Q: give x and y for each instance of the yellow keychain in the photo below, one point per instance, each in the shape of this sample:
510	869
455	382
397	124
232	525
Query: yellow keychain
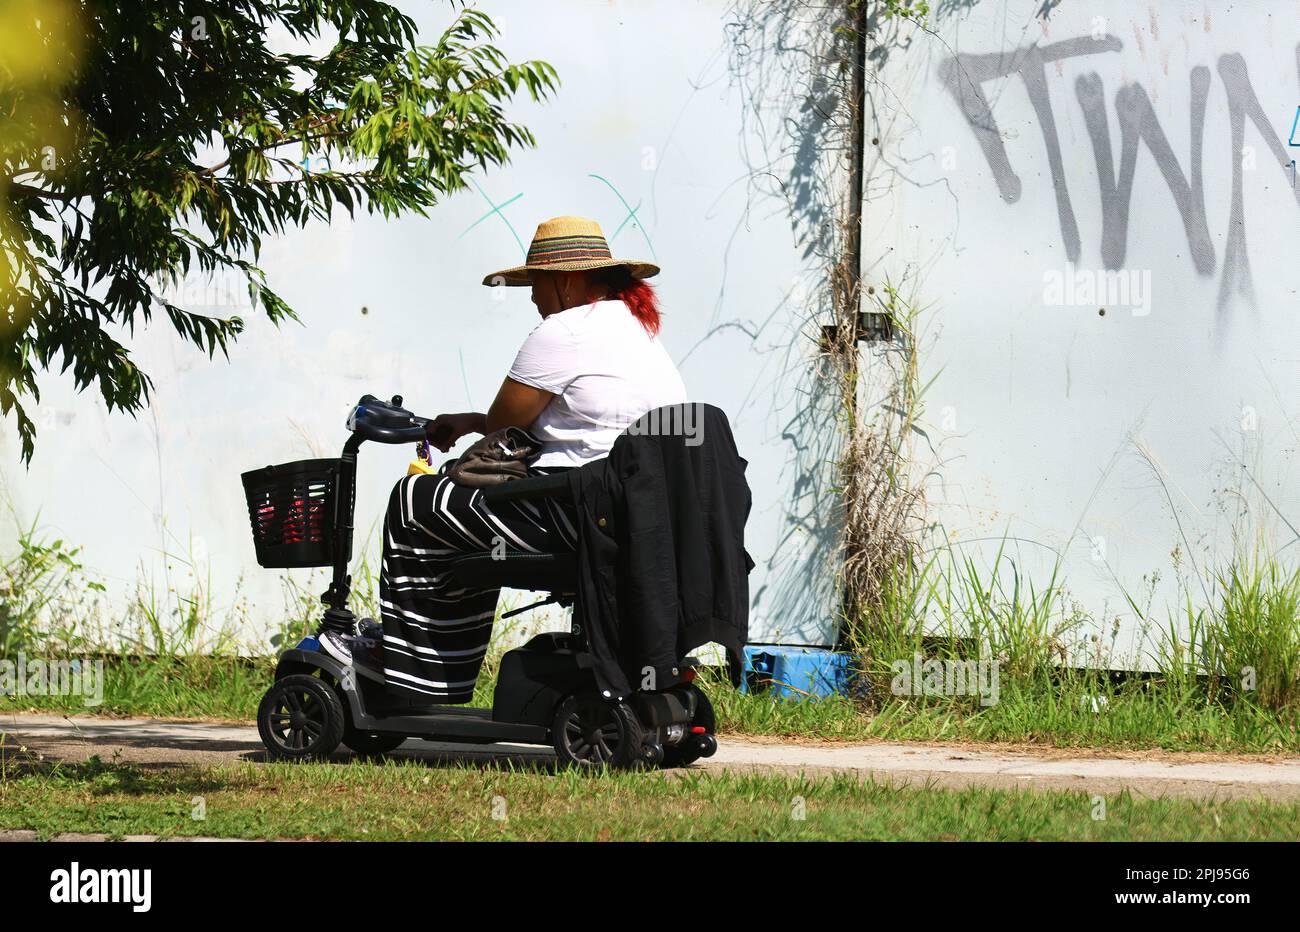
422	465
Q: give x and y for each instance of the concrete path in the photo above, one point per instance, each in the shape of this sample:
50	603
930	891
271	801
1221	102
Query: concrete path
22	834
155	743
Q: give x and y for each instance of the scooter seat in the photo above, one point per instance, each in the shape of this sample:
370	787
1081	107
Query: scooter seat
539	572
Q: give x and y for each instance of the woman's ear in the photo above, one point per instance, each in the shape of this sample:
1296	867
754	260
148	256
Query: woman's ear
578	288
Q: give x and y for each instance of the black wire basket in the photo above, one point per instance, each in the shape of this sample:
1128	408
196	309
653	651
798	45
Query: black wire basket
291	507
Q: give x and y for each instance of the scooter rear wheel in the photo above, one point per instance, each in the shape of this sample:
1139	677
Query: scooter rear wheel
300	718
591	732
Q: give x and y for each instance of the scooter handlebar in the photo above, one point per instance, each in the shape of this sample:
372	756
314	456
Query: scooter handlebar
392	434
386	421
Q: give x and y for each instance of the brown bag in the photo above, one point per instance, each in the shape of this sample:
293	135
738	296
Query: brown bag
499	457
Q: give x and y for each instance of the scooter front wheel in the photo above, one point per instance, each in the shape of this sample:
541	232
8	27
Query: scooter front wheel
300	718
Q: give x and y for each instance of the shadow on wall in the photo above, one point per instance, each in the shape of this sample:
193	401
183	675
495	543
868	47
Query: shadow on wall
785	60
791	62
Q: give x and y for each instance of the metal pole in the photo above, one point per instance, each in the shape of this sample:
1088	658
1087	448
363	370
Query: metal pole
857	135
851	266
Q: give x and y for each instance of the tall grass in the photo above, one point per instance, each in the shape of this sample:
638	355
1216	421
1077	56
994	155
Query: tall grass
174	620
1245	647
1254	641
951	608
42	583
172	649
1226	673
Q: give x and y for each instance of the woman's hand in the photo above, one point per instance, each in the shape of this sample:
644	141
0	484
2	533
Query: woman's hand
445	429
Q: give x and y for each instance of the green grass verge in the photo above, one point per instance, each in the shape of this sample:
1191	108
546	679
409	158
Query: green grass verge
165	687
409	801
1229	677
1061	713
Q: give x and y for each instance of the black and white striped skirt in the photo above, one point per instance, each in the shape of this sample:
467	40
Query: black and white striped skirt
435	632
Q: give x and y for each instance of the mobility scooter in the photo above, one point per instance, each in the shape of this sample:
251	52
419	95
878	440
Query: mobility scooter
546	691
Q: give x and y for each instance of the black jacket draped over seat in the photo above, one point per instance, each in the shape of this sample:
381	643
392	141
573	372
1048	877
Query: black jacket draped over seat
661	560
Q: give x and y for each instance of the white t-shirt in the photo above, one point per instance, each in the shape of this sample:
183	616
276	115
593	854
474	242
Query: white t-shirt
605	372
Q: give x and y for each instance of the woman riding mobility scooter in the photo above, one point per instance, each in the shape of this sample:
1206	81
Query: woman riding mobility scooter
546	692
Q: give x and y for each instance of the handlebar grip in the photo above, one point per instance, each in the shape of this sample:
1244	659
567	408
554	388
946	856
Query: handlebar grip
392	434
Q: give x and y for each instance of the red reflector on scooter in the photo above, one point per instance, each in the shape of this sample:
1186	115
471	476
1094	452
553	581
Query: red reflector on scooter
689	675
698	729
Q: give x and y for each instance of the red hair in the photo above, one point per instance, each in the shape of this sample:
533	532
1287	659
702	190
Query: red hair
637	294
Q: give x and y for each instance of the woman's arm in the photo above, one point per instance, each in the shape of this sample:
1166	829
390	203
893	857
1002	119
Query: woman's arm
516	405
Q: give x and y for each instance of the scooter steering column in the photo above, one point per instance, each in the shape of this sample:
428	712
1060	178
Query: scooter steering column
338	617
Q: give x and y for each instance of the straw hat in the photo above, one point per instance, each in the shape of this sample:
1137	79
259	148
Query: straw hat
568	244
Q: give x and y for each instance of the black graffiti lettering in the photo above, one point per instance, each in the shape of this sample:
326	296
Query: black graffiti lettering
964	74
1137	122
1242	103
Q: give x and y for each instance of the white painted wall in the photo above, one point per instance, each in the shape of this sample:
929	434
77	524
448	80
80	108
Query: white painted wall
1040	411
649	103
1036	410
